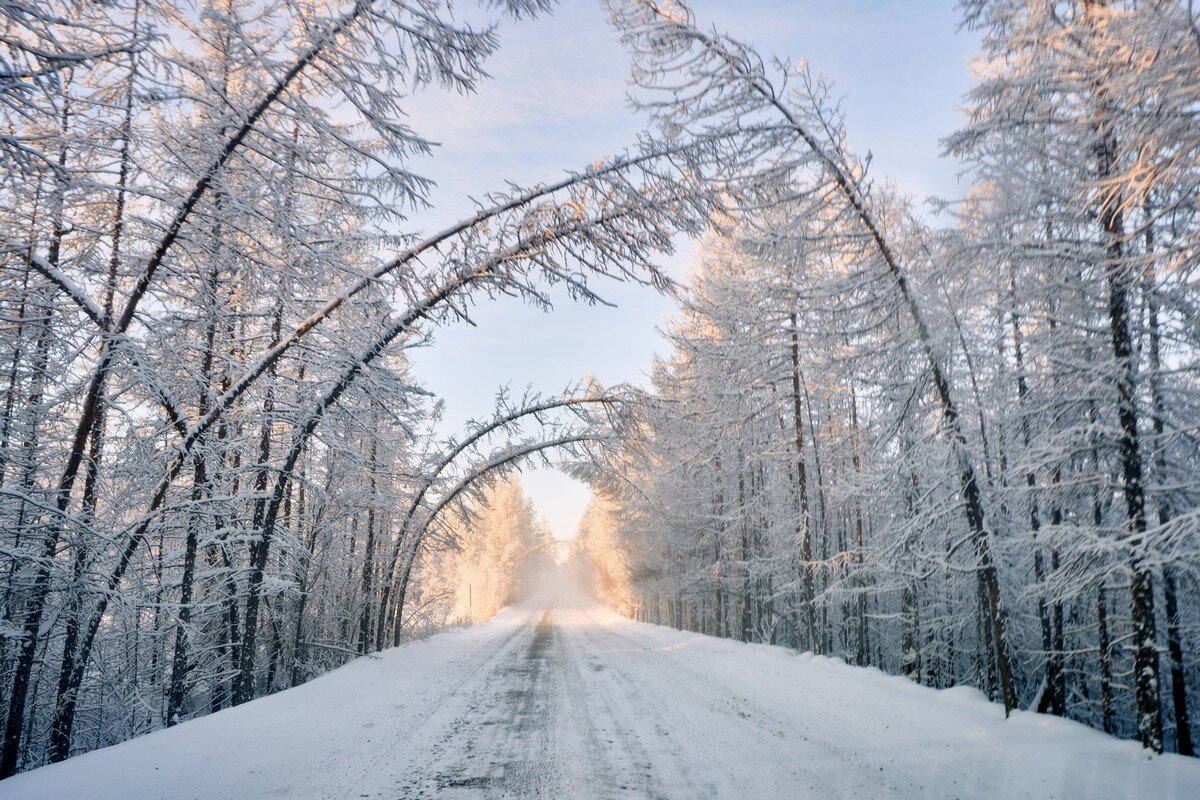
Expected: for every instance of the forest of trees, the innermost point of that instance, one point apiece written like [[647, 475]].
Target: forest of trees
[[504, 551], [965, 455], [220, 477]]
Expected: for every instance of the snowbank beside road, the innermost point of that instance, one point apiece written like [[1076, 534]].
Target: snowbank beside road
[[567, 700]]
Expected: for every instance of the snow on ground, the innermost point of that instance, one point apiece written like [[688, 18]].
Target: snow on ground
[[562, 698]]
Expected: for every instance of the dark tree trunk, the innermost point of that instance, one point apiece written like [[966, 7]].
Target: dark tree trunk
[[39, 592], [804, 523], [1119, 282]]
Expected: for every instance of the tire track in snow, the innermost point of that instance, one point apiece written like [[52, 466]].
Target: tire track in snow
[[422, 732], [523, 733]]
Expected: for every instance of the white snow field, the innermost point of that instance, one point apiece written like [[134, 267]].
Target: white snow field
[[562, 698]]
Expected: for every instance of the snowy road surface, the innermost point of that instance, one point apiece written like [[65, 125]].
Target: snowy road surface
[[563, 699]]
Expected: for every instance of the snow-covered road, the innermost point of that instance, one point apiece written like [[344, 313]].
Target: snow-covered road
[[561, 698]]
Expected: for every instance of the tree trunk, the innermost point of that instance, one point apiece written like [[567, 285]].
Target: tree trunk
[[1119, 281], [804, 523], [40, 586]]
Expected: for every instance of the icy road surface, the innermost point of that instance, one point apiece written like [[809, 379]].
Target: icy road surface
[[563, 699]]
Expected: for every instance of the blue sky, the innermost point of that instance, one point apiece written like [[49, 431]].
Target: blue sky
[[556, 101]]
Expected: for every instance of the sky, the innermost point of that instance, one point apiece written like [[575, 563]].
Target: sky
[[557, 101]]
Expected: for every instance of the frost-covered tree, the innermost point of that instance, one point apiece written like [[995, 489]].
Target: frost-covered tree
[[209, 421], [955, 454]]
